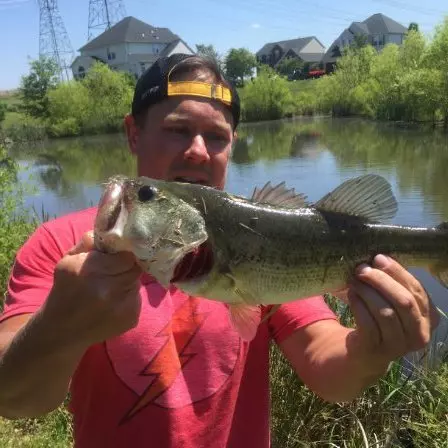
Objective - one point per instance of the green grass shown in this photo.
(54, 430)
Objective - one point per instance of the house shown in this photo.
(307, 49)
(131, 46)
(379, 30)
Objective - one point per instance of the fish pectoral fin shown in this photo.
(269, 314)
(369, 197)
(245, 319)
(279, 195)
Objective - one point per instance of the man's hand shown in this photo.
(393, 313)
(394, 316)
(94, 296)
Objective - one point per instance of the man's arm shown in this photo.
(319, 355)
(94, 297)
(35, 370)
(393, 317)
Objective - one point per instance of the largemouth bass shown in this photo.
(267, 250)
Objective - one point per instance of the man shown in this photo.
(148, 366)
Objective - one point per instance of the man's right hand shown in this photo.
(94, 295)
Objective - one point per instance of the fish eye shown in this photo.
(146, 193)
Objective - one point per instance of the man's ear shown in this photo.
(132, 132)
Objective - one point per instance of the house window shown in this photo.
(110, 55)
(378, 40)
(81, 71)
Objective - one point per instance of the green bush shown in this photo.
(26, 129)
(15, 225)
(65, 128)
(93, 105)
(267, 97)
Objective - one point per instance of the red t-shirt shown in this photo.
(181, 378)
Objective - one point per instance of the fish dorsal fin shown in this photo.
(279, 195)
(368, 197)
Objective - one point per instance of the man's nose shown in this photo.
(197, 151)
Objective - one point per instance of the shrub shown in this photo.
(267, 97)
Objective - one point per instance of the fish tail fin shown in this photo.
(245, 319)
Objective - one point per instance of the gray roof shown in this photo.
(381, 24)
(293, 44)
(132, 30)
(358, 28)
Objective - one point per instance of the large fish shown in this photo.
(267, 250)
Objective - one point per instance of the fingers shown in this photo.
(392, 333)
(396, 308)
(88, 260)
(406, 279)
(364, 319)
(111, 264)
(86, 244)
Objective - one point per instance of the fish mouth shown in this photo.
(111, 218)
(191, 180)
(109, 207)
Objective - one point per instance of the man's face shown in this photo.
(183, 139)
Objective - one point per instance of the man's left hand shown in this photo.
(393, 313)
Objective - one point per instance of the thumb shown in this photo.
(86, 244)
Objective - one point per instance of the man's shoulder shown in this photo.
(81, 220)
(64, 231)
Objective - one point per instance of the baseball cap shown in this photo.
(154, 85)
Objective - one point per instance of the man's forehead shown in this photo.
(191, 110)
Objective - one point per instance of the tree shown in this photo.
(359, 41)
(208, 51)
(239, 63)
(290, 66)
(412, 51)
(34, 87)
(413, 27)
(437, 57)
